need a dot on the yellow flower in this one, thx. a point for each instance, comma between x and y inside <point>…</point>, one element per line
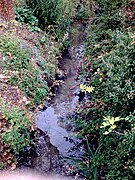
<point>111,121</point>
<point>104,124</point>
<point>81,86</point>
<point>85,88</point>
<point>113,126</point>
<point>105,133</point>
<point>89,89</point>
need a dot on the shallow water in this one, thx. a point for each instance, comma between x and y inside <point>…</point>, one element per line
<point>54,120</point>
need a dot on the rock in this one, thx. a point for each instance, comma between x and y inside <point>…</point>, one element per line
<point>47,158</point>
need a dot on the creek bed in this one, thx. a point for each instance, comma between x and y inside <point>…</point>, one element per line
<point>57,139</point>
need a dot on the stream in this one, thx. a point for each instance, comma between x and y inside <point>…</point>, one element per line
<point>53,120</point>
<point>56,139</point>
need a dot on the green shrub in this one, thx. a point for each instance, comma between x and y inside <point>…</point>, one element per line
<point>113,72</point>
<point>83,12</point>
<point>57,13</point>
<point>109,68</point>
<point>49,11</point>
<point>111,14</point>
<point>25,15</point>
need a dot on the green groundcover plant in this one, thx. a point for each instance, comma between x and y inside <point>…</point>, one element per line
<point>107,119</point>
<point>15,133</point>
<point>25,76</point>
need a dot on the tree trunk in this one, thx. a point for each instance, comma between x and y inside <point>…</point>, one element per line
<point>7,10</point>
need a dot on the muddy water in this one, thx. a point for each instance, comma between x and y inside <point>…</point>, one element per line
<point>53,121</point>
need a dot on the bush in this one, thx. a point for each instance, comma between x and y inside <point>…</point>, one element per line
<point>50,12</point>
<point>25,15</point>
<point>107,118</point>
<point>113,72</point>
